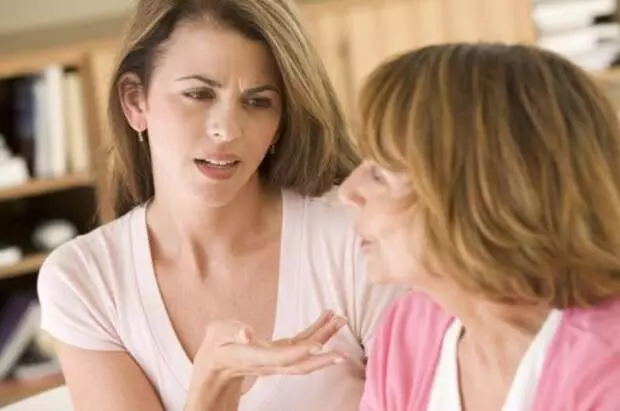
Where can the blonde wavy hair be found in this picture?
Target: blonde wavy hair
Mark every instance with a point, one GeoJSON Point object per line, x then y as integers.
{"type": "Point", "coordinates": [314, 150]}
{"type": "Point", "coordinates": [514, 156]}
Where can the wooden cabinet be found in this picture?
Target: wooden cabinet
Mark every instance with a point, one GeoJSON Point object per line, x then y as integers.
{"type": "Point", "coordinates": [353, 37]}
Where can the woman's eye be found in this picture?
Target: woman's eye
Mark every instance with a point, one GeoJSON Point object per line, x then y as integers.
{"type": "Point", "coordinates": [376, 175]}
{"type": "Point", "coordinates": [199, 94]}
{"type": "Point", "coordinates": [260, 102]}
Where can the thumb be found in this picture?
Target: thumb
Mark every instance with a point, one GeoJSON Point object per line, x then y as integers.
{"type": "Point", "coordinates": [245, 335]}
{"type": "Point", "coordinates": [228, 332]}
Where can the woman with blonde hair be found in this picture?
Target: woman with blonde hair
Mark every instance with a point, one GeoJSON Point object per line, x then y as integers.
{"type": "Point", "coordinates": [491, 185]}
{"type": "Point", "coordinates": [226, 137]}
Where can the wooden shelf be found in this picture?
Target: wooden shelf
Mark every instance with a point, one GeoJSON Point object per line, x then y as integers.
{"type": "Point", "coordinates": [11, 391]}
{"type": "Point", "coordinates": [29, 264]}
{"type": "Point", "coordinates": [610, 74]}
{"type": "Point", "coordinates": [43, 186]}
{"type": "Point", "coordinates": [15, 66]}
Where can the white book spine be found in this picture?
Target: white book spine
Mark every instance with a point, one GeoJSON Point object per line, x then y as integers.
{"type": "Point", "coordinates": [57, 131]}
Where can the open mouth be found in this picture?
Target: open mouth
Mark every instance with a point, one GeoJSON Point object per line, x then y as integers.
{"type": "Point", "coordinates": [221, 169]}
{"type": "Point", "coordinates": [217, 164]}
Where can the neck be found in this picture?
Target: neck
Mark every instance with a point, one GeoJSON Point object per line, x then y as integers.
{"type": "Point", "coordinates": [493, 330]}
{"type": "Point", "coordinates": [190, 231]}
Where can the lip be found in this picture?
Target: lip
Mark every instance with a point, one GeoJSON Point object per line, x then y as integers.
{"type": "Point", "coordinates": [217, 173]}
{"type": "Point", "coordinates": [221, 157]}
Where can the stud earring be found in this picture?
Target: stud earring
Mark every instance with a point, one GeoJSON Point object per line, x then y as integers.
{"type": "Point", "coordinates": [141, 136]}
{"type": "Point", "coordinates": [272, 149]}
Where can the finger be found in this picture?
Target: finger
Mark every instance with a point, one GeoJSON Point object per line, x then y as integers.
{"type": "Point", "coordinates": [323, 320]}
{"type": "Point", "coordinates": [306, 366]}
{"type": "Point", "coordinates": [251, 356]}
{"type": "Point", "coordinates": [328, 330]}
{"type": "Point", "coordinates": [229, 332]}
{"type": "Point", "coordinates": [317, 325]}
{"type": "Point", "coordinates": [283, 342]}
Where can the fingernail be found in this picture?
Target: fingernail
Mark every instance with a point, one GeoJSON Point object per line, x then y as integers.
{"type": "Point", "coordinates": [244, 336]}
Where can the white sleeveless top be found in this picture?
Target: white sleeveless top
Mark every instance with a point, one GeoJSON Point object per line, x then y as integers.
{"type": "Point", "coordinates": [100, 292]}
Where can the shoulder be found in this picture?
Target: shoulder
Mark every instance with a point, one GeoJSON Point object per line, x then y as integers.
{"type": "Point", "coordinates": [600, 323]}
{"type": "Point", "coordinates": [325, 217]}
{"type": "Point", "coordinates": [413, 317]}
{"type": "Point", "coordinates": [329, 208]}
{"type": "Point", "coordinates": [323, 228]}
{"type": "Point", "coordinates": [411, 330]}
{"type": "Point", "coordinates": [405, 349]}
{"type": "Point", "coordinates": [82, 286]}
{"type": "Point", "coordinates": [586, 355]}
{"type": "Point", "coordinates": [89, 260]}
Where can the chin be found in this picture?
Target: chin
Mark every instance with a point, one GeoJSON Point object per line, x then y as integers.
{"type": "Point", "coordinates": [376, 272]}
{"type": "Point", "coordinates": [214, 195]}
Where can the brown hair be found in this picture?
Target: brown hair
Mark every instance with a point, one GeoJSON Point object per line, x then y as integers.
{"type": "Point", "coordinates": [313, 151]}
{"type": "Point", "coordinates": [514, 156]}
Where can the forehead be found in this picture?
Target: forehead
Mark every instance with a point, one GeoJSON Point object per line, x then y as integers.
{"type": "Point", "coordinates": [205, 47]}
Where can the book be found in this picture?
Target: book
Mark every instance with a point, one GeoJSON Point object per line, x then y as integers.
{"type": "Point", "coordinates": [19, 322]}
{"type": "Point", "coordinates": [35, 364]}
{"type": "Point", "coordinates": [554, 15]}
{"type": "Point", "coordinates": [75, 123]}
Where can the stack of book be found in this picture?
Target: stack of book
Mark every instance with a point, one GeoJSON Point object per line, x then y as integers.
{"type": "Point", "coordinates": [25, 351]}
{"type": "Point", "coordinates": [44, 120]}
{"type": "Point", "coordinates": [584, 31]}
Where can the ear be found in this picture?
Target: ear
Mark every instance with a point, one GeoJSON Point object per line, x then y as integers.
{"type": "Point", "coordinates": [133, 100]}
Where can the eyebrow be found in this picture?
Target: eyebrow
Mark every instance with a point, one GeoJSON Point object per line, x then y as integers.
{"type": "Point", "coordinates": [212, 83]}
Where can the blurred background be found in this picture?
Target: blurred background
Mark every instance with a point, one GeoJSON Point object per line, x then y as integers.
{"type": "Point", "coordinates": [56, 57]}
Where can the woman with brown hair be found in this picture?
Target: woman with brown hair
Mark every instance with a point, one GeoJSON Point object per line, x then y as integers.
{"type": "Point", "coordinates": [226, 136]}
{"type": "Point", "coordinates": [492, 186]}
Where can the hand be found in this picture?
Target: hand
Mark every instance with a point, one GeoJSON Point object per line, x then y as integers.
{"type": "Point", "coordinates": [230, 348]}
{"type": "Point", "coordinates": [230, 352]}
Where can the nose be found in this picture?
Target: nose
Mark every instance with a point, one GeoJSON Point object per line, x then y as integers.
{"type": "Point", "coordinates": [223, 122]}
{"type": "Point", "coordinates": [350, 191]}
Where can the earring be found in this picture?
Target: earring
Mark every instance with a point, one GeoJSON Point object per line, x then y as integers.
{"type": "Point", "coordinates": [272, 149]}
{"type": "Point", "coordinates": [141, 136]}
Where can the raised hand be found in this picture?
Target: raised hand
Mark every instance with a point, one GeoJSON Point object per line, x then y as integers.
{"type": "Point", "coordinates": [230, 351]}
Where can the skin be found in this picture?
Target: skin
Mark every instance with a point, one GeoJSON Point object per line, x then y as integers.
{"type": "Point", "coordinates": [214, 95]}
{"type": "Point", "coordinates": [495, 336]}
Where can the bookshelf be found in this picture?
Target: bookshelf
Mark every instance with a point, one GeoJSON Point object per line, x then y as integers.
{"type": "Point", "coordinates": [73, 66]}
{"type": "Point", "coordinates": [46, 185]}
{"type": "Point", "coordinates": [14, 391]}
{"type": "Point", "coordinates": [28, 264]}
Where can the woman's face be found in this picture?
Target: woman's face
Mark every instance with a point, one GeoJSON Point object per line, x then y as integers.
{"type": "Point", "coordinates": [388, 230]}
{"type": "Point", "coordinates": [212, 110]}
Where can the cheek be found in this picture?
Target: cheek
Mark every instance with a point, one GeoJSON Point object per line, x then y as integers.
{"type": "Point", "coordinates": [262, 128]}
{"type": "Point", "coordinates": [259, 132]}
{"type": "Point", "coordinates": [171, 125]}
{"type": "Point", "coordinates": [401, 248]}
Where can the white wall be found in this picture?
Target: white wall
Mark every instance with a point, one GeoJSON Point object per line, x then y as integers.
{"type": "Point", "coordinates": [20, 15]}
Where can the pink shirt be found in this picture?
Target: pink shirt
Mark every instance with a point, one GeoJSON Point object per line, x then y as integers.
{"type": "Point", "coordinates": [581, 370]}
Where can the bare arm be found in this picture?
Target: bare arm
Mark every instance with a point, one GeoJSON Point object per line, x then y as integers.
{"type": "Point", "coordinates": [106, 381]}
{"type": "Point", "coordinates": [111, 380]}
